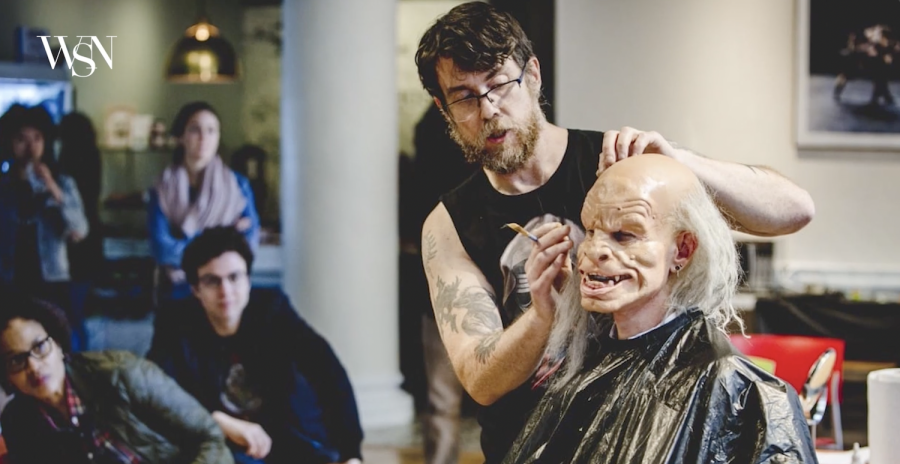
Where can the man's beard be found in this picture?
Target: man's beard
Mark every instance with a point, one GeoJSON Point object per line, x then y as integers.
{"type": "Point", "coordinates": [505, 159]}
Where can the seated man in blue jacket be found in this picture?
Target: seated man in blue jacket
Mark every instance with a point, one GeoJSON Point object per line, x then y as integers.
{"type": "Point", "coordinates": [271, 382]}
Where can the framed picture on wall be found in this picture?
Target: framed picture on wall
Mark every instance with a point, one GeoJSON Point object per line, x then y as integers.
{"type": "Point", "coordinates": [848, 70]}
{"type": "Point", "coordinates": [117, 127]}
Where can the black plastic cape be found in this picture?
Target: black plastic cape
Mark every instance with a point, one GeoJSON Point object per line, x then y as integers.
{"type": "Point", "coordinates": [678, 394]}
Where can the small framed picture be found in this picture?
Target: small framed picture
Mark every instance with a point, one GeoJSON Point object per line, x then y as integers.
{"type": "Point", "coordinates": [117, 127]}
{"type": "Point", "coordinates": [141, 125]}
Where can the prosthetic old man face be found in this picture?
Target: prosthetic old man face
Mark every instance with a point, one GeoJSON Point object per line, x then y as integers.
{"type": "Point", "coordinates": [631, 247]}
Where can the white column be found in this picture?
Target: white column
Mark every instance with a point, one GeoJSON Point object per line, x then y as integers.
{"type": "Point", "coordinates": [339, 189]}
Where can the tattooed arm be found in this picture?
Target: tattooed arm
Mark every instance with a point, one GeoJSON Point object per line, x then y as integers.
{"type": "Point", "coordinates": [756, 199]}
{"type": "Point", "coordinates": [488, 360]}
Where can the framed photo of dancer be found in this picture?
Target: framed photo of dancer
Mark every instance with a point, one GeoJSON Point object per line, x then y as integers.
{"type": "Point", "coordinates": [848, 70]}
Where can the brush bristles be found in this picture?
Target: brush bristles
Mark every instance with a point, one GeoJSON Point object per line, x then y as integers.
{"type": "Point", "coordinates": [521, 230]}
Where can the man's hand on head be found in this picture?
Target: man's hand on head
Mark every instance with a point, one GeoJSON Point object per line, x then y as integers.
{"type": "Point", "coordinates": [621, 144]}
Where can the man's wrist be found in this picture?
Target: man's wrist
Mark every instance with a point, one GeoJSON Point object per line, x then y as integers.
{"type": "Point", "coordinates": [679, 153]}
{"type": "Point", "coordinates": [541, 317]}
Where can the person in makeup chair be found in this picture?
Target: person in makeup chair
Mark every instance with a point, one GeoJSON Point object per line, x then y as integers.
{"type": "Point", "coordinates": [649, 375]}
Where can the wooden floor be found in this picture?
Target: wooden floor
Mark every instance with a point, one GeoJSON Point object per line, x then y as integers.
{"type": "Point", "coordinates": [378, 454]}
{"type": "Point", "coordinates": [403, 445]}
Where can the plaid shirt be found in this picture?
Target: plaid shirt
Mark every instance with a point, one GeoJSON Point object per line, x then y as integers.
{"type": "Point", "coordinates": [99, 442]}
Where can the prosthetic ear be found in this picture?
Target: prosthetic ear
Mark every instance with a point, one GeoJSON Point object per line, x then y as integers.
{"type": "Point", "coordinates": [685, 246]}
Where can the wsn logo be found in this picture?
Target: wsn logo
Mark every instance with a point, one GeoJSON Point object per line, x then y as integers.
{"type": "Point", "coordinates": [70, 59]}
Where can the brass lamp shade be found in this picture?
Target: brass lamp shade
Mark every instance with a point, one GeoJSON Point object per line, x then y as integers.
{"type": "Point", "coordinates": [201, 56]}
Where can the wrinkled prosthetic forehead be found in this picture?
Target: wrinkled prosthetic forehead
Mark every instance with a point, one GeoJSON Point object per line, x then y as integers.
{"type": "Point", "coordinates": [649, 186]}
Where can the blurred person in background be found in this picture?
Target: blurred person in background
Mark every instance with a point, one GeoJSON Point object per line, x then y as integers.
{"type": "Point", "coordinates": [40, 213]}
{"type": "Point", "coordinates": [439, 167]}
{"type": "Point", "coordinates": [272, 383]}
{"type": "Point", "coordinates": [79, 158]}
{"type": "Point", "coordinates": [196, 192]}
{"type": "Point", "coordinates": [104, 407]}
{"type": "Point", "coordinates": [8, 122]}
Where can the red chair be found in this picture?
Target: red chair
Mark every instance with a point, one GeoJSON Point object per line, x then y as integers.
{"type": "Point", "coordinates": [793, 356]}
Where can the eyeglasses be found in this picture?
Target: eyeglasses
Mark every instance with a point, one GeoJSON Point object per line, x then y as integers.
{"type": "Point", "coordinates": [18, 362]}
{"type": "Point", "coordinates": [214, 282]}
{"type": "Point", "coordinates": [465, 108]}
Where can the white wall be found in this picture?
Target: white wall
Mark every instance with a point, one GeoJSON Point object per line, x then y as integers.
{"type": "Point", "coordinates": [718, 76]}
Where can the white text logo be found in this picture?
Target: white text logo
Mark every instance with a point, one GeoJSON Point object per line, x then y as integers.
{"type": "Point", "coordinates": [70, 59]}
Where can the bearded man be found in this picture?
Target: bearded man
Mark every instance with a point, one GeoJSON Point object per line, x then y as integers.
{"type": "Point", "coordinates": [491, 291]}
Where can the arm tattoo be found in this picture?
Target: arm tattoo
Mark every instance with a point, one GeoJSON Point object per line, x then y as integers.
{"type": "Point", "coordinates": [479, 311]}
{"type": "Point", "coordinates": [430, 247]}
{"type": "Point", "coordinates": [444, 302]}
{"type": "Point", "coordinates": [479, 318]}
{"type": "Point", "coordinates": [430, 252]}
{"type": "Point", "coordinates": [484, 349]}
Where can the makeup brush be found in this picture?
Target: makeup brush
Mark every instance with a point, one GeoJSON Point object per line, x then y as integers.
{"type": "Point", "coordinates": [521, 230]}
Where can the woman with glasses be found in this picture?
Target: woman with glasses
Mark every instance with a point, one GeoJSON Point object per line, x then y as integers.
{"type": "Point", "coordinates": [108, 407]}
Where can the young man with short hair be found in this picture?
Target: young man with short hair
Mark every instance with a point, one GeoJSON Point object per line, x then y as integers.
{"type": "Point", "coordinates": [271, 382]}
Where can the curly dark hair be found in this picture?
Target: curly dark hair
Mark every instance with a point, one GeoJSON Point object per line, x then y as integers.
{"type": "Point", "coordinates": [48, 315]}
{"type": "Point", "coordinates": [209, 245]}
{"type": "Point", "coordinates": [477, 36]}
{"type": "Point", "coordinates": [38, 118]}
{"type": "Point", "coordinates": [9, 125]}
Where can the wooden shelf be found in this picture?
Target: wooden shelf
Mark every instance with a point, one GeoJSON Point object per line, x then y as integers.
{"type": "Point", "coordinates": [858, 371]}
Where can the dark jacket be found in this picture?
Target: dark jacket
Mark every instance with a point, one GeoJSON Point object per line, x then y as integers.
{"type": "Point", "coordinates": [677, 394]}
{"type": "Point", "coordinates": [128, 397]}
{"type": "Point", "coordinates": [308, 406]}
{"type": "Point", "coordinates": [54, 220]}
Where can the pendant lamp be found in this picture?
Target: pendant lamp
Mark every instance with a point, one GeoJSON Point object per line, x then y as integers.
{"type": "Point", "coordinates": [202, 56]}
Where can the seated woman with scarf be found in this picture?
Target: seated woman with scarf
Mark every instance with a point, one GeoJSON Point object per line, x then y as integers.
{"type": "Point", "coordinates": [196, 192]}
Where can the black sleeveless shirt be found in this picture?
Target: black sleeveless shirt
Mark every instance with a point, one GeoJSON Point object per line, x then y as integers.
{"type": "Point", "coordinates": [479, 212]}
